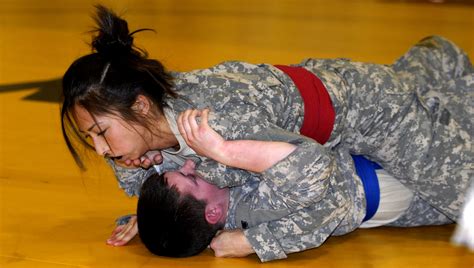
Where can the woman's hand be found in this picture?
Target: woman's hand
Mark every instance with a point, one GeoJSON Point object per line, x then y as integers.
{"type": "Point", "coordinates": [124, 233]}
{"type": "Point", "coordinates": [200, 136]}
{"type": "Point", "coordinates": [231, 243]}
{"type": "Point", "coordinates": [147, 160]}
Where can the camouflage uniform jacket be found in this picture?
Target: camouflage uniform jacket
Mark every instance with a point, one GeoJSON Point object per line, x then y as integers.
{"type": "Point", "coordinates": [414, 118]}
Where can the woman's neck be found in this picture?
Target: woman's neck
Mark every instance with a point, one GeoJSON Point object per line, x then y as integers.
{"type": "Point", "coordinates": [162, 136]}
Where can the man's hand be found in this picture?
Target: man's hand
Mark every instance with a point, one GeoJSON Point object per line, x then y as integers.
{"type": "Point", "coordinates": [231, 243]}
{"type": "Point", "coordinates": [200, 136]}
{"type": "Point", "coordinates": [124, 233]}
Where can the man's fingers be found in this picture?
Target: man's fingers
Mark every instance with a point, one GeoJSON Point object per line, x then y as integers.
{"type": "Point", "coordinates": [127, 235]}
{"type": "Point", "coordinates": [115, 233]}
{"type": "Point", "coordinates": [127, 229]}
{"type": "Point", "coordinates": [122, 238]}
{"type": "Point", "coordinates": [117, 230]}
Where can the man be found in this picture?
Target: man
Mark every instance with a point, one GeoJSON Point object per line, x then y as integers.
{"type": "Point", "coordinates": [282, 209]}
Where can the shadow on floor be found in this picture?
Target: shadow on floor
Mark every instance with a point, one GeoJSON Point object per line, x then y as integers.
{"type": "Point", "coordinates": [48, 90]}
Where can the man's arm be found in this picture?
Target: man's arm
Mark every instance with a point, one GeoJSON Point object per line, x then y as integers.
{"type": "Point", "coordinates": [299, 231]}
{"type": "Point", "coordinates": [306, 180]}
{"type": "Point", "coordinates": [319, 188]}
{"type": "Point", "coordinates": [251, 155]}
{"type": "Point", "coordinates": [305, 229]}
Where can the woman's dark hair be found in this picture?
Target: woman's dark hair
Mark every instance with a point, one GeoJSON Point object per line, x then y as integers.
{"type": "Point", "coordinates": [108, 80]}
{"type": "Point", "coordinates": [171, 224]}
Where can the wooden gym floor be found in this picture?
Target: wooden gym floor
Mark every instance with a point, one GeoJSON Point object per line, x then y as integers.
{"type": "Point", "coordinates": [54, 216]}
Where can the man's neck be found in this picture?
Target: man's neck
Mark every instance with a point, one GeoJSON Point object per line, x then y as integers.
{"type": "Point", "coordinates": [222, 198]}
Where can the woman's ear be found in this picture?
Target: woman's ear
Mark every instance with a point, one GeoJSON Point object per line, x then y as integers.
{"type": "Point", "coordinates": [142, 105]}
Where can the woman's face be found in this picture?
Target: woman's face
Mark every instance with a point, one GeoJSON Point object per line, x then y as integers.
{"type": "Point", "coordinates": [112, 136]}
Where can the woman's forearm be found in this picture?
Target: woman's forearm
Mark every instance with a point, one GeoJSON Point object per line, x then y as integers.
{"type": "Point", "coordinates": [253, 155]}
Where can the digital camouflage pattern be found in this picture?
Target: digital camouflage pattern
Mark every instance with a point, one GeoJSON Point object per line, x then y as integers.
{"type": "Point", "coordinates": [414, 118]}
{"type": "Point", "coordinates": [286, 210]}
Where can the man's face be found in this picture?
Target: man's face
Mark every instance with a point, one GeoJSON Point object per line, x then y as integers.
{"type": "Point", "coordinates": [187, 182]}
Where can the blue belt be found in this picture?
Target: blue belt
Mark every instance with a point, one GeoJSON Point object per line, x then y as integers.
{"type": "Point", "coordinates": [366, 171]}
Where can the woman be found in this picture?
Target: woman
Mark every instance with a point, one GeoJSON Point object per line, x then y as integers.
{"type": "Point", "coordinates": [414, 118]}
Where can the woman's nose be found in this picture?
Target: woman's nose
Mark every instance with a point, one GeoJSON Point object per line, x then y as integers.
{"type": "Point", "coordinates": [101, 147]}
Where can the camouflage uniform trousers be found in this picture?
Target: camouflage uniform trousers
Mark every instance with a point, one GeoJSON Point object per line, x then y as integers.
{"type": "Point", "coordinates": [414, 118]}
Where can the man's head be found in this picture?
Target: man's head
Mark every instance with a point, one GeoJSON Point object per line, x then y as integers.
{"type": "Point", "coordinates": [178, 213]}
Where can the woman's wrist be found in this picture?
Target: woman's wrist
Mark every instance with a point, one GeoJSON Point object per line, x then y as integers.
{"type": "Point", "coordinates": [223, 152]}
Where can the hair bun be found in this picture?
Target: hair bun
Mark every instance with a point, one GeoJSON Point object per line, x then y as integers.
{"type": "Point", "coordinates": [113, 39]}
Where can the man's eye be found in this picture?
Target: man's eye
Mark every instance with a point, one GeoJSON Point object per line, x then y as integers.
{"type": "Point", "coordinates": [193, 178]}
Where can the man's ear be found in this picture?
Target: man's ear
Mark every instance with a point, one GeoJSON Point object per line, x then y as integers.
{"type": "Point", "coordinates": [142, 105]}
{"type": "Point", "coordinates": [213, 214]}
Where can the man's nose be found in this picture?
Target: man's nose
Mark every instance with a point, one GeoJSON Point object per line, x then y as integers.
{"type": "Point", "coordinates": [188, 167]}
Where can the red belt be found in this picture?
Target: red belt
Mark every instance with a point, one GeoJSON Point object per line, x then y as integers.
{"type": "Point", "coordinates": [319, 115]}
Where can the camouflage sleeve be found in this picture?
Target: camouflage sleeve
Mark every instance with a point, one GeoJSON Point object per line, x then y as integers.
{"type": "Point", "coordinates": [303, 177]}
{"type": "Point", "coordinates": [304, 229]}
{"type": "Point", "coordinates": [222, 175]}
{"type": "Point", "coordinates": [306, 182]}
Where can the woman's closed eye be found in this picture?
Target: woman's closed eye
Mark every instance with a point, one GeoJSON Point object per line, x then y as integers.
{"type": "Point", "coordinates": [102, 133]}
